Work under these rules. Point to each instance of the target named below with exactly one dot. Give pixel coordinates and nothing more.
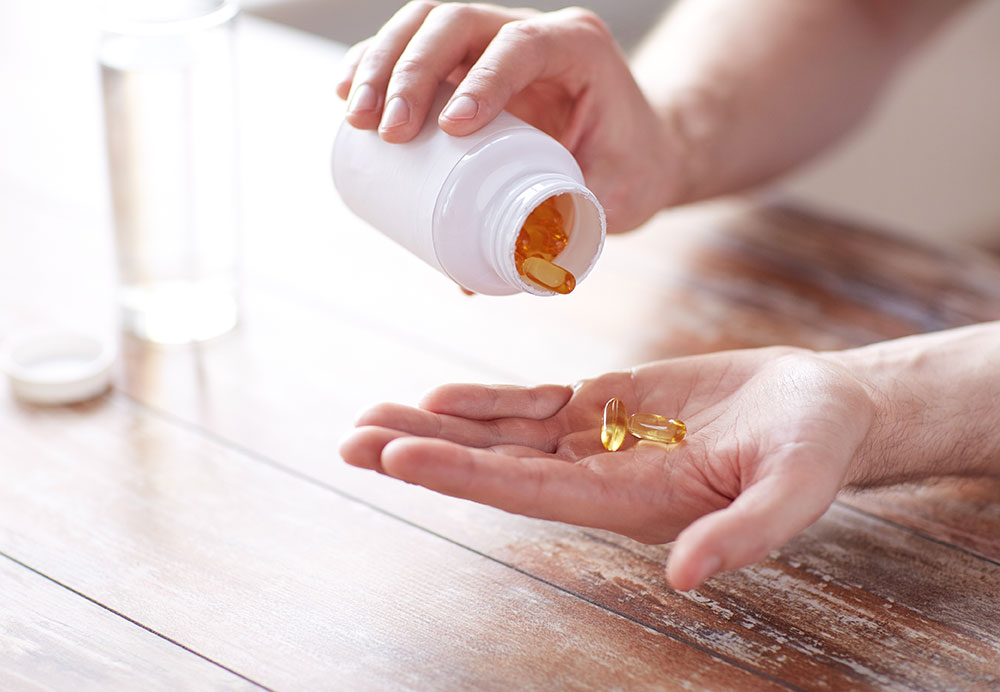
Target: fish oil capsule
(544, 232)
(548, 275)
(650, 426)
(542, 237)
(614, 426)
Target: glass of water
(169, 105)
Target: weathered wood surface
(51, 638)
(286, 582)
(203, 499)
(842, 640)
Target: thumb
(765, 516)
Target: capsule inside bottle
(543, 236)
(548, 275)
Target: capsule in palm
(650, 426)
(615, 425)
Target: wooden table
(194, 527)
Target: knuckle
(529, 38)
(376, 59)
(408, 69)
(484, 77)
(523, 31)
(585, 27)
(421, 6)
(452, 13)
(489, 84)
(413, 79)
(588, 20)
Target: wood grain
(838, 640)
(52, 639)
(288, 583)
(845, 605)
(963, 512)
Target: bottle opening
(558, 242)
(543, 237)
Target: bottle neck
(510, 208)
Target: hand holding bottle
(732, 93)
(562, 72)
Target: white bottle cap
(56, 366)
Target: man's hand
(771, 433)
(561, 71)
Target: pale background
(926, 163)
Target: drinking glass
(169, 104)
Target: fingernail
(708, 566)
(364, 99)
(396, 113)
(461, 108)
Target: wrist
(691, 122)
(935, 398)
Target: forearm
(746, 90)
(937, 400)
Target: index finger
(444, 43)
(371, 74)
(489, 402)
(348, 66)
(540, 487)
(540, 434)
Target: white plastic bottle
(459, 203)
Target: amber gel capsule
(542, 237)
(548, 275)
(615, 425)
(650, 426)
(543, 233)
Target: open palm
(770, 435)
